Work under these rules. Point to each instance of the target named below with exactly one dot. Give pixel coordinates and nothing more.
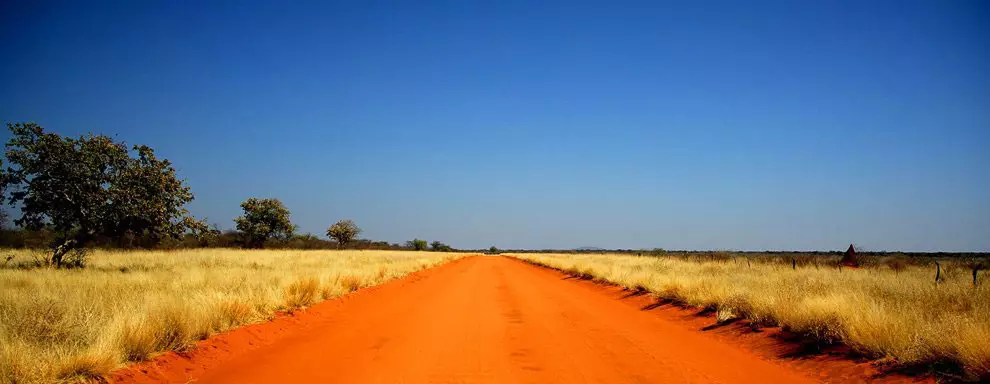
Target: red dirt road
(485, 320)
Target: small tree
(343, 232)
(81, 188)
(264, 219)
(416, 244)
(493, 250)
(437, 246)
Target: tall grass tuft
(301, 293)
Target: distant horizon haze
(764, 125)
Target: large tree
(90, 186)
(343, 231)
(3, 192)
(264, 219)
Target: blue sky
(684, 125)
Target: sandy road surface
(489, 320)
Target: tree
(81, 188)
(416, 244)
(493, 250)
(343, 232)
(437, 246)
(3, 192)
(264, 219)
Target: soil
(493, 319)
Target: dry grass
(67, 325)
(897, 314)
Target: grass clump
(301, 293)
(350, 283)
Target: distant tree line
(718, 254)
(76, 193)
(21, 238)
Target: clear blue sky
(686, 125)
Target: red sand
(496, 320)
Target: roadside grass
(125, 306)
(896, 313)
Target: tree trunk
(57, 258)
(61, 250)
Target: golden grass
(900, 315)
(67, 325)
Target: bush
(416, 244)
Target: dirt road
(494, 320)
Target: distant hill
(589, 249)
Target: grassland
(68, 325)
(895, 311)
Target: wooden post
(938, 272)
(793, 263)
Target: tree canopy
(343, 231)
(264, 219)
(437, 246)
(417, 244)
(91, 186)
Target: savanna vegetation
(344, 232)
(124, 306)
(76, 299)
(417, 244)
(74, 304)
(78, 189)
(890, 308)
(79, 193)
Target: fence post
(938, 271)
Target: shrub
(416, 244)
